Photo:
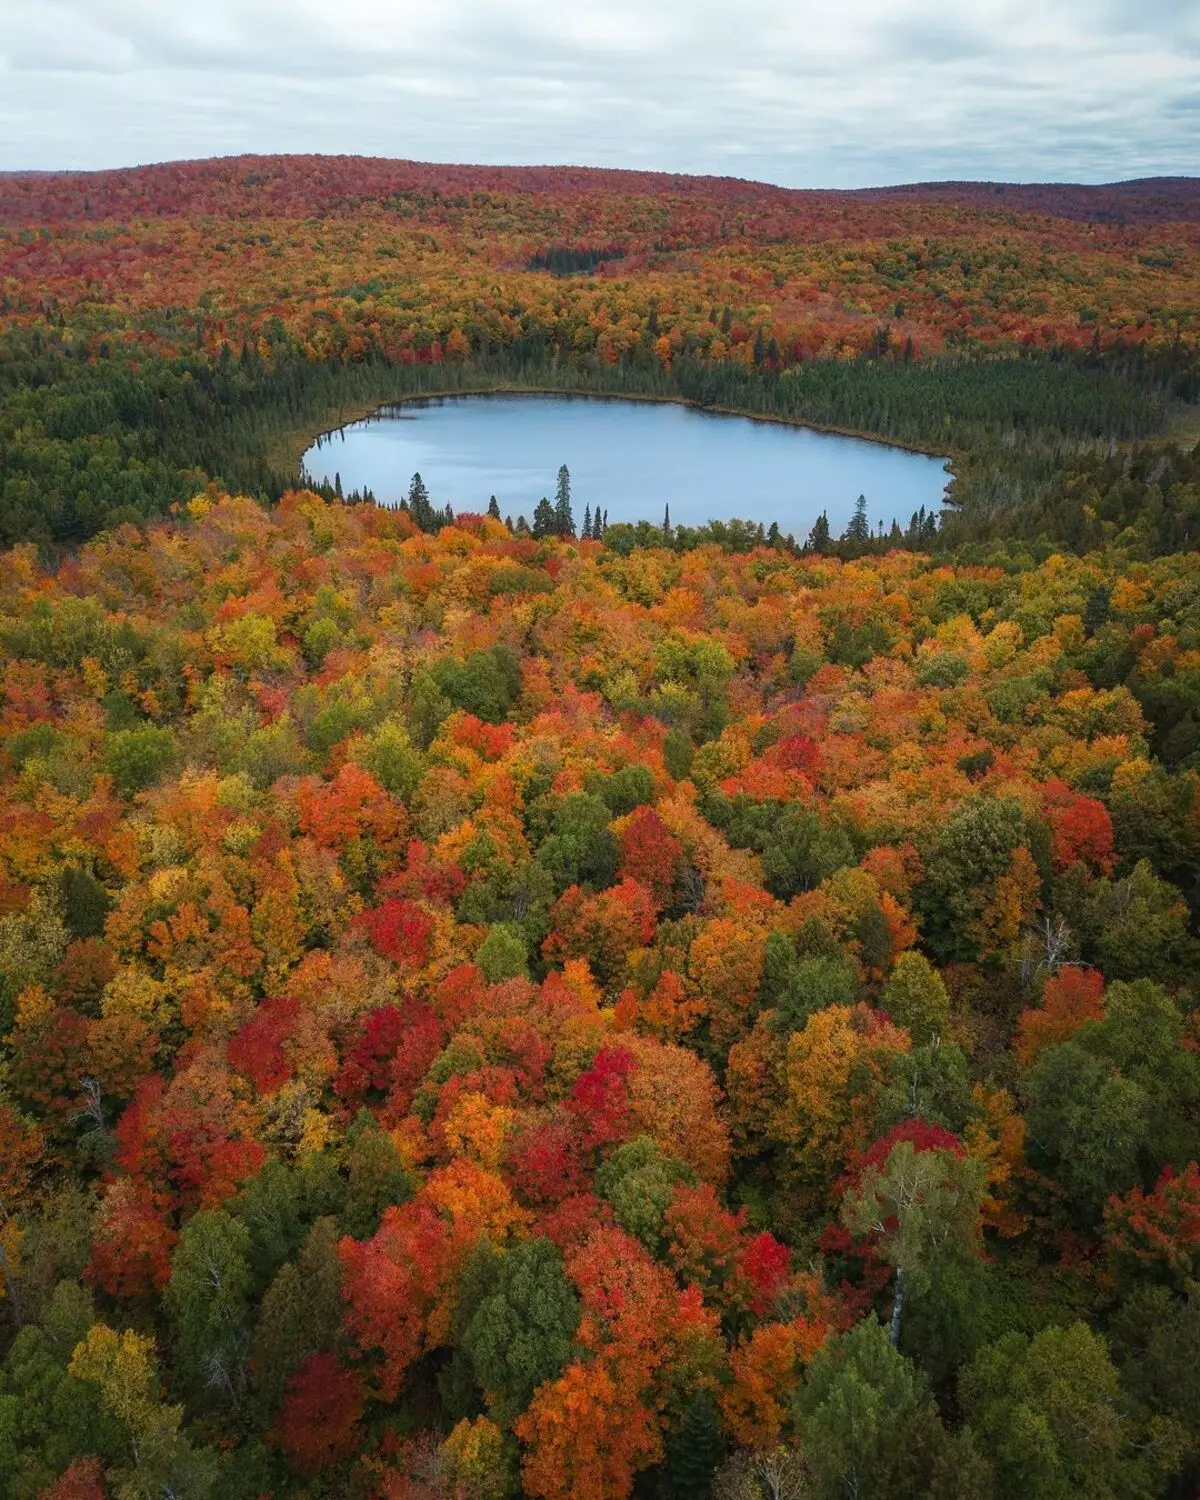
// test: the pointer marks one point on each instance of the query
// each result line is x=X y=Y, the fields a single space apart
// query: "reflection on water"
x=632 y=459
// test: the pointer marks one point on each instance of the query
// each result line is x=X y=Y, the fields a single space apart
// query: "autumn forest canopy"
x=493 y=1011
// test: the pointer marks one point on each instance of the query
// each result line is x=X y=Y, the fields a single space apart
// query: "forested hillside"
x=204 y=318
x=679 y=1015
x=487 y=1016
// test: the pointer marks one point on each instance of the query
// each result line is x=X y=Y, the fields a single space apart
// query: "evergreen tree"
x=494 y=508
x=867 y=1426
x=859 y=529
x=545 y=519
x=587 y=522
x=337 y=485
x=418 y=505
x=667 y=523
x=818 y=537
x=695 y=1448
x=564 y=520
x=300 y=1313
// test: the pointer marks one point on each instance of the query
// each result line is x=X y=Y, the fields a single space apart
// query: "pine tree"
x=818 y=537
x=419 y=506
x=695 y=1448
x=545 y=519
x=564 y=520
x=667 y=523
x=859 y=529
x=494 y=508
x=587 y=522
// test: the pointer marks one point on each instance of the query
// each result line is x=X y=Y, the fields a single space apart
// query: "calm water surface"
x=629 y=458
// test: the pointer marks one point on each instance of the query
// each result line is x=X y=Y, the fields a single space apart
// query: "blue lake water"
x=629 y=458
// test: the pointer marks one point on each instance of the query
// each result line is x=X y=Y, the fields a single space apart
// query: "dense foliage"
x=488 y=1015
x=486 y=1012
x=203 y=319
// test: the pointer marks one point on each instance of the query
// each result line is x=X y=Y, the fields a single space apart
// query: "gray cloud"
x=794 y=91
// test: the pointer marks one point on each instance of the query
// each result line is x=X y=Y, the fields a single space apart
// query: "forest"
x=207 y=318
x=676 y=1015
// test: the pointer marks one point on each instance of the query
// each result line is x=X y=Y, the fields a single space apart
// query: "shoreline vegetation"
x=568 y=393
x=1025 y=334
x=122 y=439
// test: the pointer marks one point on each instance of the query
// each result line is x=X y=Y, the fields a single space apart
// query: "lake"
x=629 y=458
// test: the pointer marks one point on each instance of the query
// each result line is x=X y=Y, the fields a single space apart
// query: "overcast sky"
x=820 y=93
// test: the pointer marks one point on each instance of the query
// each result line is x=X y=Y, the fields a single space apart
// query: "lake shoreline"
x=295 y=445
x=789 y=474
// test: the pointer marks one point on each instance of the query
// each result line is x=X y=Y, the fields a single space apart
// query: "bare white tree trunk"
x=897 y=1304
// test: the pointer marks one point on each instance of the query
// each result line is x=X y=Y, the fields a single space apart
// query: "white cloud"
x=804 y=92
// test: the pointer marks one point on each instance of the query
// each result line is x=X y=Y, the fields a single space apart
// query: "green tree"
x=278 y=1206
x=377 y=1177
x=971 y=852
x=859 y=528
x=1138 y=926
x=208 y=1303
x=915 y=998
x=923 y=1207
x=800 y=851
x=521 y=1333
x=1048 y=1413
x=503 y=953
x=811 y=985
x=819 y=537
x=1087 y=1126
x=388 y=753
x=564 y=519
x=867 y=1427
x=137 y=758
x=678 y=754
x=545 y=520
x=638 y=1180
x=85 y=902
x=486 y=684
x=162 y=1460
x=48 y=1418
x=582 y=848
x=301 y=1313
x=419 y=505
x=933 y=1083
x=1155 y=1336
x=695 y=1446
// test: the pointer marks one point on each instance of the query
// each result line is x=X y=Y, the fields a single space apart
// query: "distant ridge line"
x=296 y=185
